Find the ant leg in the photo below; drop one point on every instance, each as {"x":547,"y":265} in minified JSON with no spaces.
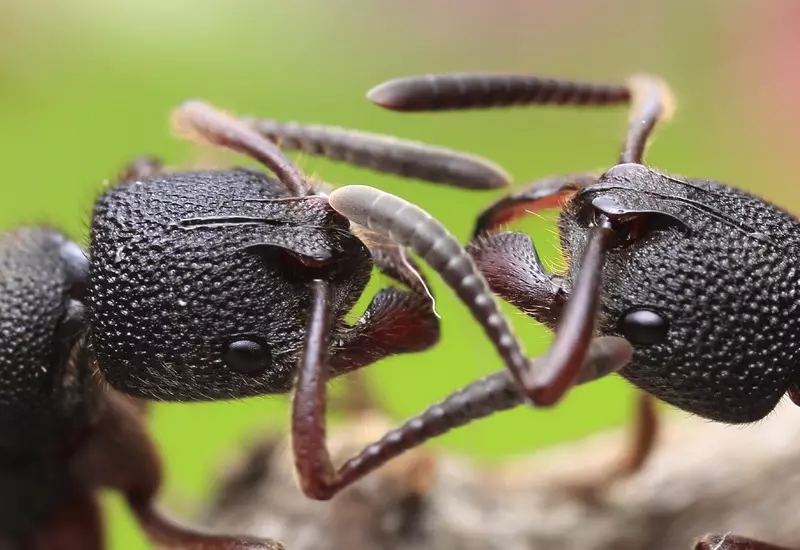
{"x":396,"y":321}
{"x":638,"y":449}
{"x":544,"y":193}
{"x":514,"y":272}
{"x":733,"y":542}
{"x":497,"y":392}
{"x":140,"y":168}
{"x":121,"y":455}
{"x":410,"y":226}
{"x":643,"y":438}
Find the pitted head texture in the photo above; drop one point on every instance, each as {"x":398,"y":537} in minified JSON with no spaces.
{"x":35,"y":281}
{"x":199,"y":283}
{"x":715,"y":306}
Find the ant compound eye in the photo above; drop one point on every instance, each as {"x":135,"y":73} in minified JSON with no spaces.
{"x":643,"y":326}
{"x":247,"y":356}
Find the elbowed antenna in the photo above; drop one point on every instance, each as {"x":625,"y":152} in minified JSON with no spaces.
{"x":448,"y":92}
{"x":494,"y":393}
{"x":201,"y":122}
{"x":650,"y":98}
{"x":652,"y":102}
{"x":383,"y":153}
{"x":560,"y":366}
{"x":410,"y":226}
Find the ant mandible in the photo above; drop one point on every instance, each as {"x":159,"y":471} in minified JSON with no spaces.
{"x":205,"y":285}
{"x":699,"y":276}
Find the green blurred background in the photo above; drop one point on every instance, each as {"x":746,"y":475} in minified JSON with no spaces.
{"x":85,"y":85}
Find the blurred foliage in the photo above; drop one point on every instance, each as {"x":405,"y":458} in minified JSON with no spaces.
{"x":86,"y":86}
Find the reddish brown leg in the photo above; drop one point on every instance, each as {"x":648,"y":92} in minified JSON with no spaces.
{"x":318,"y":477}
{"x":516,"y":274}
{"x":558,"y":369}
{"x":121,"y":455}
{"x":637,"y":450}
{"x":643,"y":438}
{"x":395,"y":322}
{"x":513,"y":270}
{"x":733,"y":542}
{"x":541,"y":194}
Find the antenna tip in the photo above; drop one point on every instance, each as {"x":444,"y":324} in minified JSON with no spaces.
{"x":396,"y":95}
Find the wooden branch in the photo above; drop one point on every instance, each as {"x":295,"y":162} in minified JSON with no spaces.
{"x":702,"y":478}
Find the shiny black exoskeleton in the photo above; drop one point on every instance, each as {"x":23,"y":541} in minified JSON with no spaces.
{"x":229,"y":306}
{"x":44,"y":396}
{"x":699,"y":276}
{"x":703,"y":283}
{"x":196,"y":285}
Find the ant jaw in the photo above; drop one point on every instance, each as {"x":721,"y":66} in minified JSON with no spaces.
{"x":512,"y":268}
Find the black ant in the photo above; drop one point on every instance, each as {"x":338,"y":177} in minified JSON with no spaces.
{"x":206,"y":285}
{"x":700,"y":277}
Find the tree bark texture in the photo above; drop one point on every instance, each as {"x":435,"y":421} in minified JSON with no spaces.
{"x":703,"y":477}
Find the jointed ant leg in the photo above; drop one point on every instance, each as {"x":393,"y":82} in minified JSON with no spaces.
{"x":396,"y":321}
{"x":513,"y":270}
{"x":642,"y":439}
{"x":318,"y":477}
{"x":120,"y":455}
{"x":557,"y":370}
{"x":638,"y":448}
{"x":541,"y":194}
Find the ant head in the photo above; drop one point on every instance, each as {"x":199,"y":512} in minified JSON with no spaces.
{"x":695,"y":274}
{"x":699,"y":282}
{"x":42,"y":277}
{"x":200,"y":281}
